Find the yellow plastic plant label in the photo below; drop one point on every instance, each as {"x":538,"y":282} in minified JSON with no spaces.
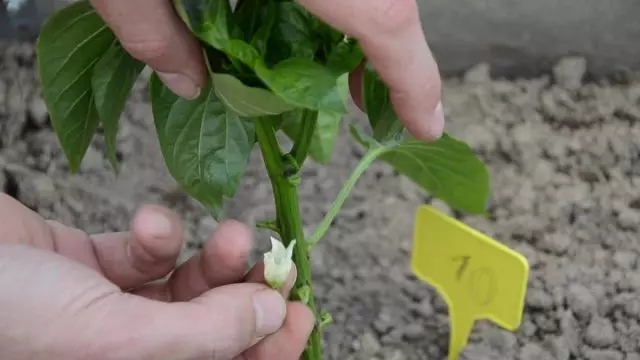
{"x":478,"y":277}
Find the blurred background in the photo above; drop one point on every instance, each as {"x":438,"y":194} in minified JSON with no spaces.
{"x":547,"y":92}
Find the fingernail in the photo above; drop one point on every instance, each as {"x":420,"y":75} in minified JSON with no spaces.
{"x":156,"y":225}
{"x":180,"y":84}
{"x":436,"y":123}
{"x":270,"y":310}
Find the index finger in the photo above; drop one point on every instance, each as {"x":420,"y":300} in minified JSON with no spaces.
{"x":393,"y":40}
{"x":152,"y":32}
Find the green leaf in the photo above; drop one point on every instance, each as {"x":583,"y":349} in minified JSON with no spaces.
{"x":382,"y":117}
{"x":447,"y":169}
{"x":324,"y":138}
{"x":112,"y":80}
{"x":247,"y":15}
{"x":345,"y":57}
{"x":210,"y":20}
{"x":71,"y":43}
{"x":244,"y":52}
{"x":305,"y":84}
{"x":260,"y":39}
{"x":247,"y":101}
{"x":327,"y":128}
{"x":292,"y":34}
{"x":205,"y":147}
{"x":326,"y":32}
{"x":300,"y":82}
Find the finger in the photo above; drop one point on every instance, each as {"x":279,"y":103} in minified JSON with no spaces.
{"x":128,"y":260}
{"x":152,"y":32}
{"x":393,"y":40}
{"x":223,"y":261}
{"x":154,"y":291}
{"x":23,"y":226}
{"x":356,"y":86}
{"x":256,"y":275}
{"x":290,"y":341}
{"x":221,"y":324}
{"x":146,"y":254}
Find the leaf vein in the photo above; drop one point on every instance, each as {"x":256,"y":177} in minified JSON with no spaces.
{"x":76,"y":49}
{"x":420,"y":165}
{"x":75,"y":80}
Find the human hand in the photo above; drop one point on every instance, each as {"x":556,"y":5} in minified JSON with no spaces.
{"x":67,"y":295}
{"x":389,"y":32}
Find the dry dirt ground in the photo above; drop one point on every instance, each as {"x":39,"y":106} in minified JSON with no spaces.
{"x":565,"y":162}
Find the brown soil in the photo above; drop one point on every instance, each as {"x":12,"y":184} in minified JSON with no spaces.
{"x":565,"y":162}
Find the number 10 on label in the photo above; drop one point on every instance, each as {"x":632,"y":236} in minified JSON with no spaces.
{"x":478,"y":277}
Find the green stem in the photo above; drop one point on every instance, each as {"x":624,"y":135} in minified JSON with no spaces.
{"x":362,"y":166}
{"x":303,"y":142}
{"x":289,"y":224}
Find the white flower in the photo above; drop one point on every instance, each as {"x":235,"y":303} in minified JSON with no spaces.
{"x":278,"y":263}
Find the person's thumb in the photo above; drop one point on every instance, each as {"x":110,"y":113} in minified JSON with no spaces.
{"x":152,"y":32}
{"x":219,"y":325}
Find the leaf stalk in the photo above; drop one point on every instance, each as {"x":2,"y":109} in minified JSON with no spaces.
{"x":301,"y":147}
{"x":370,"y":156}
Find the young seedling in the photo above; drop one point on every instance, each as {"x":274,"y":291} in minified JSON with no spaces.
{"x":273,"y":67}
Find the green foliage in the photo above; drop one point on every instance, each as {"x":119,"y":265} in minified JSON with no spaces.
{"x":248,"y":15}
{"x":298,"y":81}
{"x":447,"y":169}
{"x":260,"y":40}
{"x":293,"y":35}
{"x":345,"y":57}
{"x":206,"y":147}
{"x":271,"y":60}
{"x":382,"y":117}
{"x":327,"y":127}
{"x":247,"y":101}
{"x":113,"y":78}
{"x":71,"y":44}
{"x":305,"y":84}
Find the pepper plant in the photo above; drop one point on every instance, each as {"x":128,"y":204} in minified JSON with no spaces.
{"x":273,"y":67}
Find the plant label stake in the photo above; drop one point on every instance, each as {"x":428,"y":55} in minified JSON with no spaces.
{"x":478,"y":277}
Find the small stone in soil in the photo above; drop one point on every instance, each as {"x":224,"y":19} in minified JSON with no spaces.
{"x":625,"y":259}
{"x":593,"y":354}
{"x":414,"y":331}
{"x":629,"y":219}
{"x":555,"y":243}
{"x":558,"y":347}
{"x":581,"y":301}
{"x":38,"y":111}
{"x":534,"y":351}
{"x":37,"y":191}
{"x":570,"y":330}
{"x":539,"y":299}
{"x":600,"y":333}
{"x":369,"y":345}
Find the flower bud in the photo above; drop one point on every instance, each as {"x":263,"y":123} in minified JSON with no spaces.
{"x":278,"y":263}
